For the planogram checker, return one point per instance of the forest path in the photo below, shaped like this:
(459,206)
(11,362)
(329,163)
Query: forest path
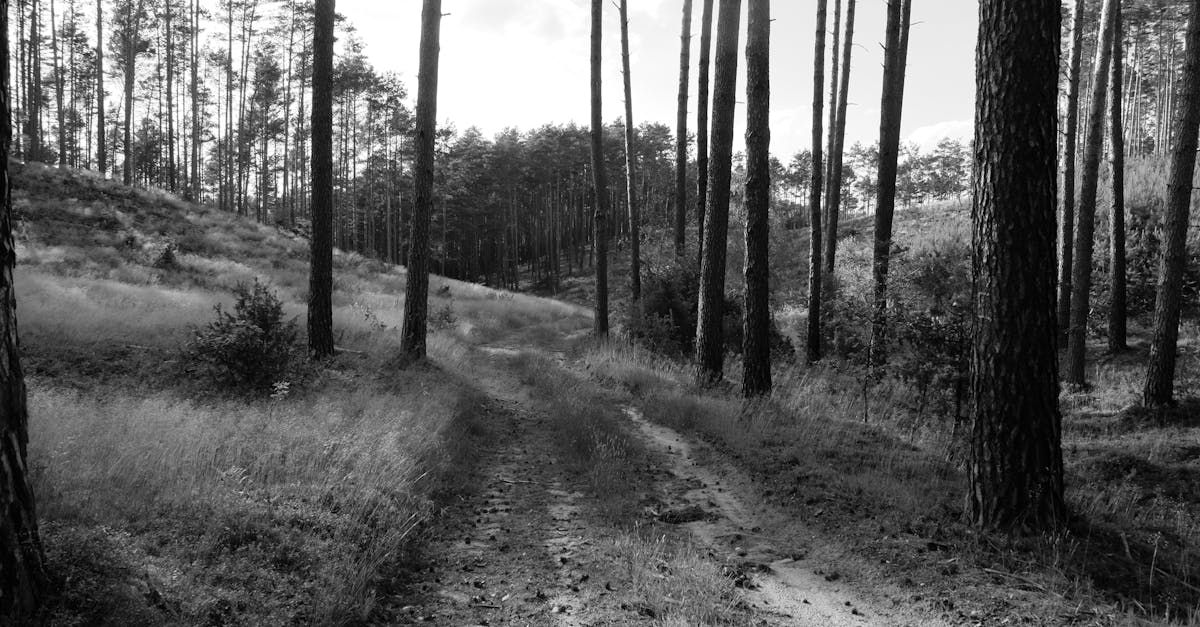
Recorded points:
(524,546)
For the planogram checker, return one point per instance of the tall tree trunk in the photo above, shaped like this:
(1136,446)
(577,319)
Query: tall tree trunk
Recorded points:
(756,324)
(1160,375)
(33,121)
(59,77)
(635,253)
(833,209)
(710,341)
(101,148)
(702,103)
(195,96)
(1015,469)
(320,290)
(833,91)
(416,299)
(599,178)
(1116,271)
(813,335)
(891,107)
(1066,214)
(1081,279)
(168,15)
(685,49)
(22,563)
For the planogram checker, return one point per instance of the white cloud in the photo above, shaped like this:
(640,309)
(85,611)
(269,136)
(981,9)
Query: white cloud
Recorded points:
(927,137)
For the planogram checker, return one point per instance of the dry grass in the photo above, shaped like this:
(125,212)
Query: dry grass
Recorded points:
(160,506)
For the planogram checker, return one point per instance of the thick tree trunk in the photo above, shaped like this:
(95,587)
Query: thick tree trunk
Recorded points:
(320,289)
(599,177)
(1160,375)
(416,298)
(1066,224)
(1015,468)
(710,341)
(891,107)
(756,324)
(833,209)
(1116,271)
(681,204)
(702,130)
(22,563)
(635,253)
(815,270)
(1081,275)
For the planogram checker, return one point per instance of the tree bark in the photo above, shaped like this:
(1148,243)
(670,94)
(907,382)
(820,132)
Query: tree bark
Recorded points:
(1116,272)
(1066,228)
(22,562)
(33,121)
(815,270)
(756,348)
(1081,275)
(833,209)
(416,297)
(710,342)
(101,147)
(195,91)
(681,204)
(702,130)
(168,15)
(1015,468)
(891,107)
(1160,374)
(635,253)
(833,91)
(599,177)
(320,290)
(59,76)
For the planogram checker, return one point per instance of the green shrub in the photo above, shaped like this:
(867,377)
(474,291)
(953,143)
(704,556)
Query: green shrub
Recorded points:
(251,348)
(666,320)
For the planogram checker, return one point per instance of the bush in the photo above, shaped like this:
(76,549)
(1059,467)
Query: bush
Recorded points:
(666,321)
(251,348)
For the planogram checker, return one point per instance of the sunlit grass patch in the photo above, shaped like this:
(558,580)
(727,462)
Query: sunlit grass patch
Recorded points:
(672,584)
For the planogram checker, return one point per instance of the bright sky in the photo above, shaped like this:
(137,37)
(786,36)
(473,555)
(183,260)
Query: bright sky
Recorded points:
(524,63)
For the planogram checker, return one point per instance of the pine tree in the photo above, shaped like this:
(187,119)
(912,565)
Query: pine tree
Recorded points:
(416,297)
(1015,468)
(320,290)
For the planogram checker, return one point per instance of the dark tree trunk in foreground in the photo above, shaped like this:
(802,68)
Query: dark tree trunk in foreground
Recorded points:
(22,570)
(416,295)
(1085,227)
(815,271)
(1066,215)
(681,204)
(756,348)
(1116,251)
(891,107)
(101,147)
(599,177)
(835,157)
(706,18)
(320,287)
(710,342)
(635,244)
(1160,375)
(1015,468)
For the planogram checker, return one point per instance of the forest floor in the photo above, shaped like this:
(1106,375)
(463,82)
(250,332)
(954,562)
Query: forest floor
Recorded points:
(526,475)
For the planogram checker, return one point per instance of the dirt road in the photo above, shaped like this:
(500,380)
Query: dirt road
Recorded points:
(523,547)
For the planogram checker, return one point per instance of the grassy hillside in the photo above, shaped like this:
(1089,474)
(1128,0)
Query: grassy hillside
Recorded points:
(165,500)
